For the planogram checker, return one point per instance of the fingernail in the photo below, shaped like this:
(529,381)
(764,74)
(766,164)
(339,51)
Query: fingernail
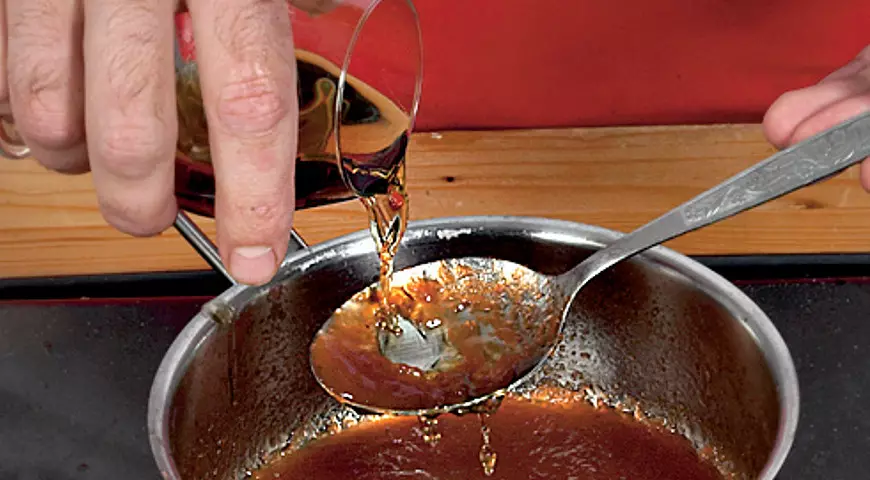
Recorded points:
(253,265)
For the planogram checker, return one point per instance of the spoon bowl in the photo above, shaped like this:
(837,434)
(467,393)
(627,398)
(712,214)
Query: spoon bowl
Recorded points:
(493,322)
(471,328)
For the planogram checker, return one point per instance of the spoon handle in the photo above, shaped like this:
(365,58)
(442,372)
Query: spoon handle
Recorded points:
(209,252)
(202,244)
(803,164)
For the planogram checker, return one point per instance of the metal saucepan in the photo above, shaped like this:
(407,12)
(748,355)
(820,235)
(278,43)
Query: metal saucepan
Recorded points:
(660,331)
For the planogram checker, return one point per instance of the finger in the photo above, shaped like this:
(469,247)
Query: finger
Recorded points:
(830,116)
(44,61)
(793,108)
(248,74)
(4,88)
(7,128)
(131,118)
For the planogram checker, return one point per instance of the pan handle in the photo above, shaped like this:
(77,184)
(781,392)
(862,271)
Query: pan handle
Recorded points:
(207,249)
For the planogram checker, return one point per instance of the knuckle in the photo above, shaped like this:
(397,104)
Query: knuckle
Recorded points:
(47,120)
(252,107)
(130,150)
(46,110)
(256,96)
(44,107)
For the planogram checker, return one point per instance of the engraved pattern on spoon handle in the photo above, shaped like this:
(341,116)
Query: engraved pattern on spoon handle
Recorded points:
(805,163)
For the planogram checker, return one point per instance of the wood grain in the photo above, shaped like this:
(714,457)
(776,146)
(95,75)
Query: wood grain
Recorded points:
(615,177)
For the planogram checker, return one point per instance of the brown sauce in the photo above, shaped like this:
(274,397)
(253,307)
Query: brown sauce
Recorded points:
(486,355)
(529,440)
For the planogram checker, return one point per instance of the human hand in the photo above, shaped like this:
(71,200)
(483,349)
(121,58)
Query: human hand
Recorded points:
(90,86)
(802,113)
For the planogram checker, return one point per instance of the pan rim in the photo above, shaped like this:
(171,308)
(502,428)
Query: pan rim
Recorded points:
(184,348)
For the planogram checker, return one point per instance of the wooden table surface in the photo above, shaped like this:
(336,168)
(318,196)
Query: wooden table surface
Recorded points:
(618,178)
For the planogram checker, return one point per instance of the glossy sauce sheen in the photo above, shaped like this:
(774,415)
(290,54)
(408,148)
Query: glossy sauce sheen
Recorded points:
(532,441)
(488,353)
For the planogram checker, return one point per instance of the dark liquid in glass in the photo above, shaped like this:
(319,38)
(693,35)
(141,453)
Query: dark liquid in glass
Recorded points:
(320,178)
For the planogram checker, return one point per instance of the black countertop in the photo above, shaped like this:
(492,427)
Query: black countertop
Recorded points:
(75,375)
(74,384)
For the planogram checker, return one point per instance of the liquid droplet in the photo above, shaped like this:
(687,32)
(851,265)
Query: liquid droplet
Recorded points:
(488,457)
(429,428)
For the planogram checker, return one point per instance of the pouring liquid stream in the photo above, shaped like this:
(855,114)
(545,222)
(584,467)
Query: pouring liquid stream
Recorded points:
(382,191)
(388,218)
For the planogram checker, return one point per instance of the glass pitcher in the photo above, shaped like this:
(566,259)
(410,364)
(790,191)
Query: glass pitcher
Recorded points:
(359,68)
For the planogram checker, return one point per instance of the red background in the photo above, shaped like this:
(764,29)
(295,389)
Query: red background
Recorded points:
(549,63)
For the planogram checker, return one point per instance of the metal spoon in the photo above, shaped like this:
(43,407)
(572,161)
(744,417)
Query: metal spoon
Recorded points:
(208,250)
(543,301)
